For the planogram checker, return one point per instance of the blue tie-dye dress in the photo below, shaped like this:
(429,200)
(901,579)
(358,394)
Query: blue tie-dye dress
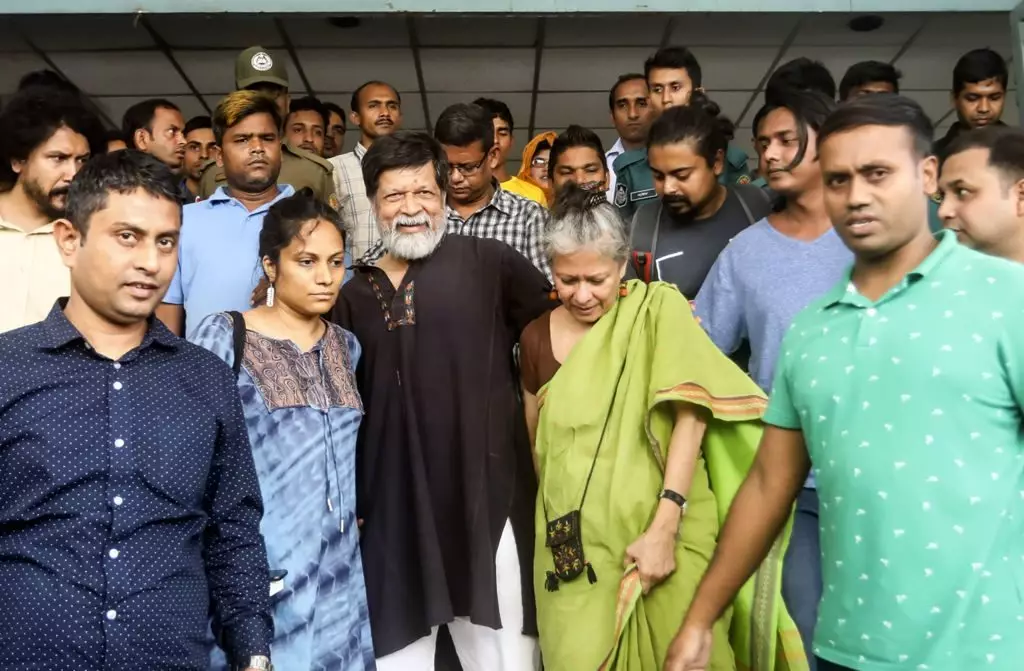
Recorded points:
(302,410)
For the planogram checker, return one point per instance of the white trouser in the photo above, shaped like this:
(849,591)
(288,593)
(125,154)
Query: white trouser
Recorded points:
(481,648)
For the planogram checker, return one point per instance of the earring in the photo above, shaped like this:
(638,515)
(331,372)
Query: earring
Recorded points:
(623,290)
(270,296)
(553,295)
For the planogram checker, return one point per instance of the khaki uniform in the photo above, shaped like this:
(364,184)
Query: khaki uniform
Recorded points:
(299,168)
(634,183)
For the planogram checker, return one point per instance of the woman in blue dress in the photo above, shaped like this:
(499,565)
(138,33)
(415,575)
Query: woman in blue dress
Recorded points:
(302,410)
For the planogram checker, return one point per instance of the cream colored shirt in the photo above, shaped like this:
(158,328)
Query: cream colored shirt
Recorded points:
(32,275)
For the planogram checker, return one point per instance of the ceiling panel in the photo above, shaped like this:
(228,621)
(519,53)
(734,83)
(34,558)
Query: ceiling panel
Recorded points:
(450,70)
(588,69)
(934,103)
(731,102)
(372,31)
(15,66)
(739,30)
(608,31)
(10,39)
(214,71)
(72,32)
(962,31)
(734,69)
(136,73)
(492,31)
(927,67)
(347,69)
(115,106)
(555,111)
(832,30)
(217,31)
(518,103)
(839,58)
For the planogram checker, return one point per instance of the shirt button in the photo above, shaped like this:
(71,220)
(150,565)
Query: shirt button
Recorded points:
(872,312)
(111,614)
(119,443)
(114,553)
(117,386)
(117,366)
(118,500)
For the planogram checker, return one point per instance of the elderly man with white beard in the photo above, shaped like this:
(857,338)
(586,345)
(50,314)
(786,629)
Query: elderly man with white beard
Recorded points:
(445,482)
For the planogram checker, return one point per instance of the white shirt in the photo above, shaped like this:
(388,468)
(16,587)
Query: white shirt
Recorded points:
(609,157)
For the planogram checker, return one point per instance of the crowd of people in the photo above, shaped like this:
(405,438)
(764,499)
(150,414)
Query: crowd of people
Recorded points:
(269,404)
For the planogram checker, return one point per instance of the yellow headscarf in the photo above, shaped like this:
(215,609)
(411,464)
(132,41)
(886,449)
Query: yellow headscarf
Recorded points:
(528,153)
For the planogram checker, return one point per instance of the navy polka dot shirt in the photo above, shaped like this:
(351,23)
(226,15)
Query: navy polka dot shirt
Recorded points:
(129,506)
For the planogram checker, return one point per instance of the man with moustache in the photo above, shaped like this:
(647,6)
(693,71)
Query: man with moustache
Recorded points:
(376,111)
(440,474)
(218,254)
(129,502)
(982,183)
(305,126)
(200,150)
(46,136)
(259,71)
(980,80)
(902,388)
(630,106)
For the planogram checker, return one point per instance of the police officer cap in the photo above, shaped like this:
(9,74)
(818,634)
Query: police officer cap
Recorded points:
(256,65)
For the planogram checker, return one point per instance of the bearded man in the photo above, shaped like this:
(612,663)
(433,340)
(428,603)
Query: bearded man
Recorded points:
(444,476)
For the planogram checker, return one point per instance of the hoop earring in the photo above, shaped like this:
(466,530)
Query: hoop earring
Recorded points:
(270,296)
(553,295)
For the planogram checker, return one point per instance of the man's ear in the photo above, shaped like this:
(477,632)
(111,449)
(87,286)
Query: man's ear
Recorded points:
(69,240)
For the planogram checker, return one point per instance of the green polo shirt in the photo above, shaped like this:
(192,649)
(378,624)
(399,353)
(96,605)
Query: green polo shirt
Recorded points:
(911,408)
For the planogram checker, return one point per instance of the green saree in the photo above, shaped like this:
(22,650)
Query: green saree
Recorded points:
(610,624)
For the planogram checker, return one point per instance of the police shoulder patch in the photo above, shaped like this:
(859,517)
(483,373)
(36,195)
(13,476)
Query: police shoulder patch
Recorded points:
(744,179)
(620,195)
(937,198)
(332,200)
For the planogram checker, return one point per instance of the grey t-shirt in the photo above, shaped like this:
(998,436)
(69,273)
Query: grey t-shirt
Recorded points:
(683,253)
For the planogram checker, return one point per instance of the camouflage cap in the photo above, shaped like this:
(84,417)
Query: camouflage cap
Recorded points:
(255,65)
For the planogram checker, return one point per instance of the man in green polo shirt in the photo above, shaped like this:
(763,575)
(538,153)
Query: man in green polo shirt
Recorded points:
(904,389)
(673,76)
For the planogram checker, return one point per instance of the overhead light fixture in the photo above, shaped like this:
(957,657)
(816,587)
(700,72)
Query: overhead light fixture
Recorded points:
(865,23)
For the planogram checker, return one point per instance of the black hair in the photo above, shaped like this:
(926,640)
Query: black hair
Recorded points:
(140,115)
(867,72)
(355,94)
(675,58)
(810,109)
(462,124)
(883,109)
(404,149)
(629,77)
(575,136)
(802,74)
(497,110)
(198,123)
(311,104)
(1005,145)
(47,78)
(114,135)
(337,109)
(541,146)
(700,122)
(977,66)
(33,115)
(120,172)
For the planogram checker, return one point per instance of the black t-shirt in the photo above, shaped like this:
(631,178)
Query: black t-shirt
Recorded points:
(683,253)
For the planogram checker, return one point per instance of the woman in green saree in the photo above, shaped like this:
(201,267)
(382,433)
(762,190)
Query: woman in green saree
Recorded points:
(642,433)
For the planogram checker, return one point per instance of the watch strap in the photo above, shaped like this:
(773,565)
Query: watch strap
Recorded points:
(674,497)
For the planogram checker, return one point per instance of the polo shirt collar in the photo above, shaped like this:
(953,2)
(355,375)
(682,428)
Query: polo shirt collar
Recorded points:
(846,292)
(58,331)
(221,196)
(45,229)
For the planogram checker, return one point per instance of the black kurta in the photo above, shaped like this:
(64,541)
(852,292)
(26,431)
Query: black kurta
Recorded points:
(442,456)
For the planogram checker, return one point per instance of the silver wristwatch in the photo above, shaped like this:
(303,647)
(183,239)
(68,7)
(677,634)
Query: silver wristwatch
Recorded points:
(259,662)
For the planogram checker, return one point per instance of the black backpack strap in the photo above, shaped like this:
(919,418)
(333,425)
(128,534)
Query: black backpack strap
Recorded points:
(644,240)
(743,191)
(238,333)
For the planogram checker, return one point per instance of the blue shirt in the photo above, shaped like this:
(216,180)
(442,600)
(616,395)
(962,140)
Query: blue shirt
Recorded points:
(218,256)
(128,504)
(759,283)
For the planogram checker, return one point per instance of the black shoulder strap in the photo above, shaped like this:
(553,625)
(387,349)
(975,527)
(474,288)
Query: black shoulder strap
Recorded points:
(238,329)
(741,190)
(644,240)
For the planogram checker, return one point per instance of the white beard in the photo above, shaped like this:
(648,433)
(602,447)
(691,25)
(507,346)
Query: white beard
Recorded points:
(413,246)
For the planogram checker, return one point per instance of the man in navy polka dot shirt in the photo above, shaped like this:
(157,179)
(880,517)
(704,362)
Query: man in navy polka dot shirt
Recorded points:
(129,503)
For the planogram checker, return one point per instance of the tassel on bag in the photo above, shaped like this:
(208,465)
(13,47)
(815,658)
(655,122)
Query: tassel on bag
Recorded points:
(591,574)
(551,584)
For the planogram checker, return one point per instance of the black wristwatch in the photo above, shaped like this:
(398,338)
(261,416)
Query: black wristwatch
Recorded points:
(674,497)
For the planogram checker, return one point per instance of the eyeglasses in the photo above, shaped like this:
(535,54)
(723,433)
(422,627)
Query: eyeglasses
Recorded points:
(467,169)
(539,162)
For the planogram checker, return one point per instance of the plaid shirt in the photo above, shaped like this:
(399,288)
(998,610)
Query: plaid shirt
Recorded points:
(353,203)
(517,221)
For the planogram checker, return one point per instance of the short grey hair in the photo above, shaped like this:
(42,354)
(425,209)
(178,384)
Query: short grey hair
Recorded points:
(582,219)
